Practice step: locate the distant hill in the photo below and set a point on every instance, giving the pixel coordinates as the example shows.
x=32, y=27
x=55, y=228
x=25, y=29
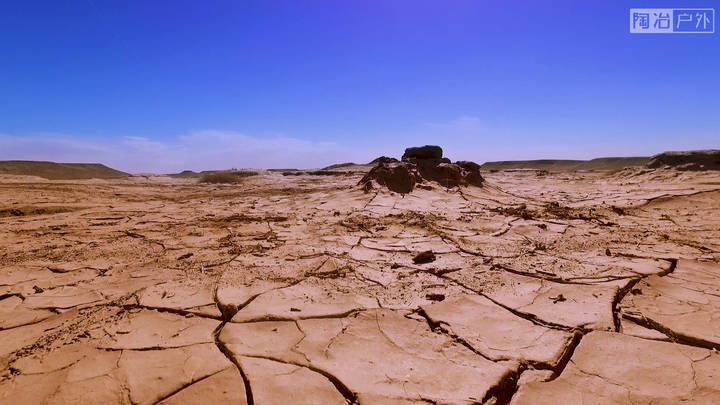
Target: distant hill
x=60, y=171
x=614, y=163
x=187, y=174
x=599, y=164
x=545, y=164
x=338, y=166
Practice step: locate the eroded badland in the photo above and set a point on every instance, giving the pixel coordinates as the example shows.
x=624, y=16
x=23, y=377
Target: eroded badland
x=542, y=288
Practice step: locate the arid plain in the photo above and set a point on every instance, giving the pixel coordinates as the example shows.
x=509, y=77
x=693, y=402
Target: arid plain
x=540, y=288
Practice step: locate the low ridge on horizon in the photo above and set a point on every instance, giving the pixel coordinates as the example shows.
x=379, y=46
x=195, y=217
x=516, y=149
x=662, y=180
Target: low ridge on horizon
x=78, y=171
x=603, y=163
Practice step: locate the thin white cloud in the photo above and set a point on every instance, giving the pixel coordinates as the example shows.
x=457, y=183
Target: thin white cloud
x=143, y=144
x=51, y=146
x=203, y=150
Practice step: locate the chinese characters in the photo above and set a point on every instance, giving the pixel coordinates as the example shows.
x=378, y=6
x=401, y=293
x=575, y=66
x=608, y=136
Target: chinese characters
x=667, y=20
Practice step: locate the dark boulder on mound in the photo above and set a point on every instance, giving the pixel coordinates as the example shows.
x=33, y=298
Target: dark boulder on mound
x=419, y=165
x=447, y=174
x=427, y=152
x=469, y=166
x=695, y=160
x=473, y=176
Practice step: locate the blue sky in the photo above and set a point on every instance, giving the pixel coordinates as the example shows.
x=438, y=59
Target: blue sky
x=163, y=86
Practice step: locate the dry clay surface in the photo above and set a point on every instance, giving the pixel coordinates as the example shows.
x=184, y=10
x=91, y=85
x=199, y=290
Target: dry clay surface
x=540, y=289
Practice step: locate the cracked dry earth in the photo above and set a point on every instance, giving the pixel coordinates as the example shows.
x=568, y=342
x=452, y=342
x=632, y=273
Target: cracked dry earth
x=554, y=289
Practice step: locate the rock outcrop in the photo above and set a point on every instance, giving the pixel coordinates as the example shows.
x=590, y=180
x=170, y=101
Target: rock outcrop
x=694, y=160
x=421, y=164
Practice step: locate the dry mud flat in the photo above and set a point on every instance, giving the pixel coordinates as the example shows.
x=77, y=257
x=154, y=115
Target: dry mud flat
x=542, y=288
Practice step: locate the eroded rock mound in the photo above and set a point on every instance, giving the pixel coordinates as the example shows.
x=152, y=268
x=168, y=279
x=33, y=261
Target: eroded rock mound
x=420, y=164
x=695, y=160
x=398, y=177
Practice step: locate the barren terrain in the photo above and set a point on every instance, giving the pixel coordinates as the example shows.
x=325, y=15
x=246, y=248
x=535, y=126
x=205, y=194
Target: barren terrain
x=541, y=288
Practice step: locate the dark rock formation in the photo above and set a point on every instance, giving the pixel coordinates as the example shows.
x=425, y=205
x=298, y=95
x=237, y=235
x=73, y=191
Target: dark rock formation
x=420, y=164
x=696, y=160
x=424, y=257
x=427, y=152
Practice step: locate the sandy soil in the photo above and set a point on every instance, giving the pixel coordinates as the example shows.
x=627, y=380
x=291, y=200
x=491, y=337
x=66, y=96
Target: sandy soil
x=561, y=288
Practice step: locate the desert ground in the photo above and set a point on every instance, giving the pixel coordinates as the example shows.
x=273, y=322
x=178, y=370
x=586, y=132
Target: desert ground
x=532, y=288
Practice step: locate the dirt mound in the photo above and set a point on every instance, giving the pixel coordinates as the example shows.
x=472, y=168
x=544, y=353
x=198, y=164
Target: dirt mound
x=60, y=171
x=186, y=174
x=420, y=164
x=694, y=160
x=226, y=177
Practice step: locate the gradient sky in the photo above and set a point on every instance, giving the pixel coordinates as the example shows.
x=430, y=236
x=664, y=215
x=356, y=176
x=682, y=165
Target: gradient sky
x=164, y=86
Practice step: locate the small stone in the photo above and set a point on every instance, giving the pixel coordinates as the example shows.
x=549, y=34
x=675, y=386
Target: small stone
x=435, y=297
x=185, y=256
x=558, y=298
x=424, y=257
